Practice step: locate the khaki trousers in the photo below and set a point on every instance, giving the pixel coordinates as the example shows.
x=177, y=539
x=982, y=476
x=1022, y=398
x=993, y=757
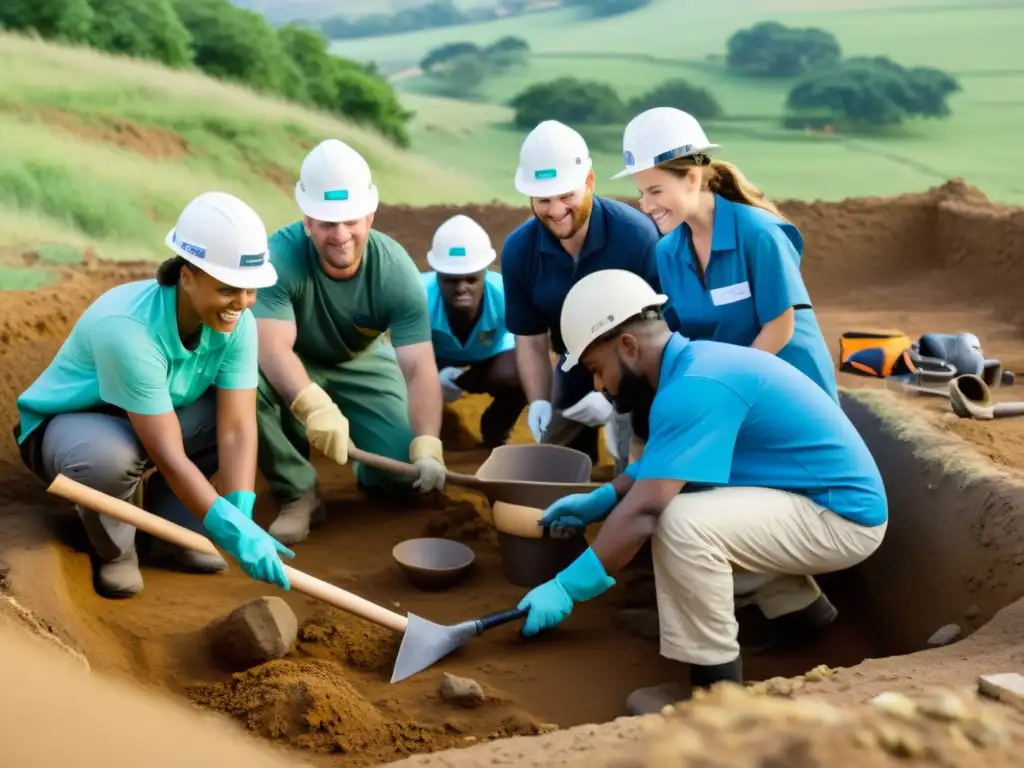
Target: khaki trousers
x=775, y=540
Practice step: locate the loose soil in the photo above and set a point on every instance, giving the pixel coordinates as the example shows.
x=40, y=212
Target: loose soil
x=946, y=260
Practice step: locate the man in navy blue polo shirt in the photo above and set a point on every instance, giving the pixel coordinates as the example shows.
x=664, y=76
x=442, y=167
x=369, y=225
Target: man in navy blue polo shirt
x=572, y=234
x=474, y=351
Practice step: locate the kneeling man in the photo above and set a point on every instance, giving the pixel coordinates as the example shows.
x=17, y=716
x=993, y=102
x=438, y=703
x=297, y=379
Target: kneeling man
x=750, y=467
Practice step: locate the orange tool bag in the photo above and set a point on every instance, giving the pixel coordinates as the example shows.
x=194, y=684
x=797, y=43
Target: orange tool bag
x=876, y=353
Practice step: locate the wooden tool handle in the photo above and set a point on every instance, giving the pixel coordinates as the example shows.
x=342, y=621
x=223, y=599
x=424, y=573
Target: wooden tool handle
x=107, y=505
x=403, y=469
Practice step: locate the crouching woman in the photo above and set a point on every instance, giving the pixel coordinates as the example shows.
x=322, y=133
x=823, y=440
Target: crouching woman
x=161, y=374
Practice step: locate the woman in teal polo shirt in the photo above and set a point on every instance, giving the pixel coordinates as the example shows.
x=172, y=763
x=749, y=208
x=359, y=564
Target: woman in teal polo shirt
x=729, y=261
x=162, y=373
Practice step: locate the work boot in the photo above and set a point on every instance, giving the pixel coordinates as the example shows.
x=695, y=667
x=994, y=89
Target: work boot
x=120, y=578
x=296, y=517
x=758, y=633
x=651, y=700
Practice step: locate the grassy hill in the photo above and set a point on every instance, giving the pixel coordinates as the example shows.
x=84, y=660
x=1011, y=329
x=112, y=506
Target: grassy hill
x=976, y=41
x=101, y=151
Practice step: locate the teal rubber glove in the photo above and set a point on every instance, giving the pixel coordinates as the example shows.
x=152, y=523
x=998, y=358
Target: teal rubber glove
x=244, y=500
x=552, y=602
x=578, y=510
x=256, y=551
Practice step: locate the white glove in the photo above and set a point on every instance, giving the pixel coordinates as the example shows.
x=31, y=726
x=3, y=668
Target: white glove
x=426, y=453
x=449, y=389
x=593, y=410
x=611, y=437
x=539, y=418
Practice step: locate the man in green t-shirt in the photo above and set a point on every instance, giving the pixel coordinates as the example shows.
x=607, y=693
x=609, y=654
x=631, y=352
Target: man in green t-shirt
x=326, y=366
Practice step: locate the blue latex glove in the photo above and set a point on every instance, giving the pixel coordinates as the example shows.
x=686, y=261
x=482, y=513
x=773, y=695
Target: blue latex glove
x=551, y=603
x=579, y=510
x=255, y=550
x=244, y=500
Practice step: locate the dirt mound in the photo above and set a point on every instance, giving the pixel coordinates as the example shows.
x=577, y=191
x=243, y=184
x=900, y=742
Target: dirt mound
x=732, y=727
x=310, y=704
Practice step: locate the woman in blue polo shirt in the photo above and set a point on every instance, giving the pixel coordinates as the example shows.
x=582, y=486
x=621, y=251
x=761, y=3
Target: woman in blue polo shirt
x=729, y=261
x=162, y=373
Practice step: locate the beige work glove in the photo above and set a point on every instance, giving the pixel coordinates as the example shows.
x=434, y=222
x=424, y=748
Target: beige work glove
x=427, y=454
x=326, y=426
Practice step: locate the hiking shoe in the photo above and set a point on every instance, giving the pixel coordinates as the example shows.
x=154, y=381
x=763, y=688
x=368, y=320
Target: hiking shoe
x=120, y=578
x=654, y=698
x=296, y=517
x=758, y=634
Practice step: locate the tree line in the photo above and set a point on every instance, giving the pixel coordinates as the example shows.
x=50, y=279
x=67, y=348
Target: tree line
x=223, y=41
x=445, y=13
x=827, y=89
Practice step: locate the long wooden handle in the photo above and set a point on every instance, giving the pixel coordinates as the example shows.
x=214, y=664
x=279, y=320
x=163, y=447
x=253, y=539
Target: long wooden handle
x=107, y=505
x=385, y=464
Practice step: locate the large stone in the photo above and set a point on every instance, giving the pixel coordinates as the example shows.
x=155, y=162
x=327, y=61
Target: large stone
x=463, y=691
x=256, y=632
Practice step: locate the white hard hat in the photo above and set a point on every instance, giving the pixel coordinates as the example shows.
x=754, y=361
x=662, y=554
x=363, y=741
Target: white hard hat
x=659, y=135
x=460, y=247
x=554, y=160
x=335, y=184
x=600, y=302
x=226, y=239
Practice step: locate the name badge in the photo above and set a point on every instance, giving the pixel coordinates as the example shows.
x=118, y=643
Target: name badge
x=730, y=294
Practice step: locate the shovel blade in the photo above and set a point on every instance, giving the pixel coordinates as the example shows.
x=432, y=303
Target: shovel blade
x=425, y=643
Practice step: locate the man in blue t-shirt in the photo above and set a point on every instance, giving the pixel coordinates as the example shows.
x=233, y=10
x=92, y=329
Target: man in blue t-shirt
x=572, y=234
x=750, y=466
x=475, y=353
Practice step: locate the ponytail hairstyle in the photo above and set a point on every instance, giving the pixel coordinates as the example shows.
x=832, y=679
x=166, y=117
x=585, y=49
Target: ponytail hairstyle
x=724, y=179
x=169, y=271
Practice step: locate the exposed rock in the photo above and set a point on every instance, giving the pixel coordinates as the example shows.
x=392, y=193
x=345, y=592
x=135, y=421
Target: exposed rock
x=462, y=691
x=256, y=632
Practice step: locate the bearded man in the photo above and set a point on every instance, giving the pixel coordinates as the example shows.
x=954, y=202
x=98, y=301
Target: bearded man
x=344, y=346
x=572, y=234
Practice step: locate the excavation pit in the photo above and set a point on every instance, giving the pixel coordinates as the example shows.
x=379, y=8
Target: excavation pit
x=953, y=553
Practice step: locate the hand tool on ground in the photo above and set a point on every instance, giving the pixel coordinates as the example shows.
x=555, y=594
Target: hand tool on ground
x=423, y=642
x=971, y=398
x=508, y=467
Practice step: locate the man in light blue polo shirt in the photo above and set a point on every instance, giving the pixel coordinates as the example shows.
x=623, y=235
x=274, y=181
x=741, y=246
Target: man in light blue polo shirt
x=750, y=467
x=572, y=234
x=466, y=302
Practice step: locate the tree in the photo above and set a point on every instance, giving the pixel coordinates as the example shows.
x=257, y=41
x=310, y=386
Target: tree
x=609, y=7
x=680, y=94
x=507, y=53
x=444, y=54
x=235, y=44
x=571, y=101
x=770, y=49
x=872, y=91
x=145, y=29
x=68, y=20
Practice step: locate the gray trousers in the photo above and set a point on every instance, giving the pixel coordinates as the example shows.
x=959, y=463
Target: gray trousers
x=103, y=452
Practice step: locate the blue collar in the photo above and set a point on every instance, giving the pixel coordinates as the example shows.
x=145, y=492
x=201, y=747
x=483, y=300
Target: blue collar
x=673, y=349
x=597, y=234
x=489, y=321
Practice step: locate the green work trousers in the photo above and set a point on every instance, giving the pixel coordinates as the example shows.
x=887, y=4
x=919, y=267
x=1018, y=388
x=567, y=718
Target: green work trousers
x=371, y=391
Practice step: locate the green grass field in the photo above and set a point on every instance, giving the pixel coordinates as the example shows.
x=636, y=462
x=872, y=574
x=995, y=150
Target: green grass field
x=976, y=41
x=101, y=151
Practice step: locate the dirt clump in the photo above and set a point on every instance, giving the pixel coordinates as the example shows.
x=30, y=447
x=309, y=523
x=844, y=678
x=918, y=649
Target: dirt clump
x=349, y=641
x=309, y=704
x=461, y=521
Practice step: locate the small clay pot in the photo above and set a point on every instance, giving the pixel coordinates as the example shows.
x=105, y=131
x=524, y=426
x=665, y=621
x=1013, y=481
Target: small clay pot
x=531, y=562
x=433, y=564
